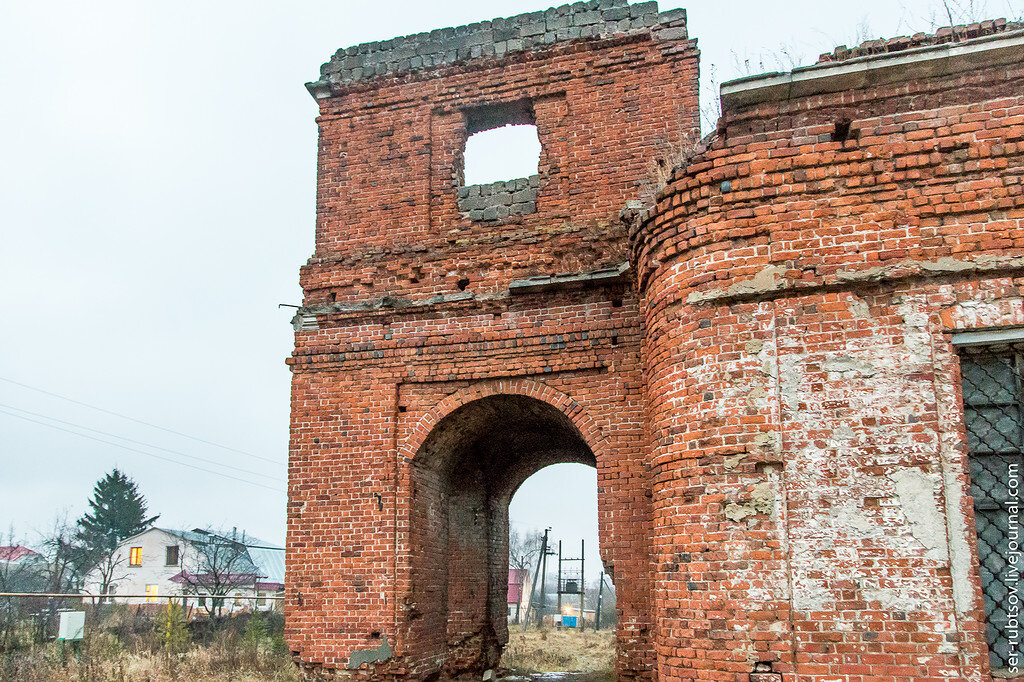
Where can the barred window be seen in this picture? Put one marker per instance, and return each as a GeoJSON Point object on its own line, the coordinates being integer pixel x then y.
{"type": "Point", "coordinates": [993, 411]}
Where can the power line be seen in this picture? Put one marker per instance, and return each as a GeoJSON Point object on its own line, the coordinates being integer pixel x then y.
{"type": "Point", "coordinates": [139, 442]}
{"type": "Point", "coordinates": [141, 452]}
{"type": "Point", "coordinates": [137, 421]}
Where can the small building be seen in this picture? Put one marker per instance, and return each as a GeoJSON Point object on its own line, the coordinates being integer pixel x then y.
{"type": "Point", "coordinates": [22, 569]}
{"type": "Point", "coordinates": [518, 600]}
{"type": "Point", "coordinates": [162, 562]}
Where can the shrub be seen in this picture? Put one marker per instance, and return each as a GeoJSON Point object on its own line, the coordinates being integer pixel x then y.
{"type": "Point", "coordinates": [172, 630]}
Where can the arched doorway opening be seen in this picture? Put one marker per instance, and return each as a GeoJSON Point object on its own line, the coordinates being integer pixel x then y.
{"type": "Point", "coordinates": [463, 478]}
{"type": "Point", "coordinates": [555, 626]}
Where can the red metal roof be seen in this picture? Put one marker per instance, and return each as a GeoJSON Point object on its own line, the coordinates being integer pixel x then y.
{"type": "Point", "coordinates": [15, 552]}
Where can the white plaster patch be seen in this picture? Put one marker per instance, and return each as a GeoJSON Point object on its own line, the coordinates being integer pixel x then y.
{"type": "Point", "coordinates": [916, 491]}
{"type": "Point", "coordinates": [808, 595]}
{"type": "Point", "coordinates": [859, 307]}
{"type": "Point", "coordinates": [846, 365]}
{"type": "Point", "coordinates": [849, 517]}
{"type": "Point", "coordinates": [891, 598]}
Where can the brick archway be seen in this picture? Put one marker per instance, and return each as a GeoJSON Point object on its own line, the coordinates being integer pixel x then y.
{"type": "Point", "coordinates": [572, 409]}
{"type": "Point", "coordinates": [468, 457]}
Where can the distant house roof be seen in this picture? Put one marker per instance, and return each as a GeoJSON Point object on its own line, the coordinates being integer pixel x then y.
{"type": "Point", "coordinates": [266, 560]}
{"type": "Point", "coordinates": [516, 580]}
{"type": "Point", "coordinates": [15, 553]}
{"type": "Point", "coordinates": [270, 563]}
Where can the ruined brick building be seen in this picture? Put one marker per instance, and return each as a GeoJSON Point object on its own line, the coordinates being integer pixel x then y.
{"type": "Point", "coordinates": [790, 350]}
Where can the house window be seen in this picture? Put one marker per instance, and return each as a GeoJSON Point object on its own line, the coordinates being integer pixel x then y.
{"type": "Point", "coordinates": [172, 555]}
{"type": "Point", "coordinates": [994, 416]}
{"type": "Point", "coordinates": [135, 556]}
{"type": "Point", "coordinates": [151, 592]}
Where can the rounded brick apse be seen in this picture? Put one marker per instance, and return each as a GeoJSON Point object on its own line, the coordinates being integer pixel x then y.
{"type": "Point", "coordinates": [756, 338]}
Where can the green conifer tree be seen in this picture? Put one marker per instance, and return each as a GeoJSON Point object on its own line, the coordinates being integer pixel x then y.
{"type": "Point", "coordinates": [117, 511]}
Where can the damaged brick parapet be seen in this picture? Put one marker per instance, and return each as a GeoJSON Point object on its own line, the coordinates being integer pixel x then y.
{"type": "Point", "coordinates": [499, 200]}
{"type": "Point", "coordinates": [498, 38]}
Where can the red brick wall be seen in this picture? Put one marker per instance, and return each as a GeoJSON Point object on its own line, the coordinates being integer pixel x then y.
{"type": "Point", "coordinates": [811, 516]}
{"type": "Point", "coordinates": [772, 402]}
{"type": "Point", "coordinates": [385, 542]}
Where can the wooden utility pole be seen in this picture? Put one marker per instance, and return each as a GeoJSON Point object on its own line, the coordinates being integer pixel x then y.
{"type": "Point", "coordinates": [541, 568]}
{"type": "Point", "coordinates": [583, 585]}
{"type": "Point", "coordinates": [559, 578]}
{"type": "Point", "coordinates": [600, 592]}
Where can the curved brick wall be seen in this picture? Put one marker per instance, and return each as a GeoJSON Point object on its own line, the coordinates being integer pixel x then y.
{"type": "Point", "coordinates": [799, 279]}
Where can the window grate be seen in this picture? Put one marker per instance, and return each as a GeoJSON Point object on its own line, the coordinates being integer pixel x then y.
{"type": "Point", "coordinates": [994, 415]}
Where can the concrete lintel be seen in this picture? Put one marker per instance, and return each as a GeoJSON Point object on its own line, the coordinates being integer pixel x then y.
{"type": "Point", "coordinates": [861, 72]}
{"type": "Point", "coordinates": [985, 337]}
{"type": "Point", "coordinates": [570, 281]}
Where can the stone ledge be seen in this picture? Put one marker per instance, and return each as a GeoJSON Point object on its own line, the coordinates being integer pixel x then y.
{"type": "Point", "coordinates": [496, 38]}
{"type": "Point", "coordinates": [499, 200]}
{"type": "Point", "coordinates": [617, 274]}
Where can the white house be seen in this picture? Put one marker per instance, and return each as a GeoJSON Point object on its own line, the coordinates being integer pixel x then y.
{"type": "Point", "coordinates": [163, 562]}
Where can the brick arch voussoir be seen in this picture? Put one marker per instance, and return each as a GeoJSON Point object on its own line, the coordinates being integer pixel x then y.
{"type": "Point", "coordinates": [568, 406]}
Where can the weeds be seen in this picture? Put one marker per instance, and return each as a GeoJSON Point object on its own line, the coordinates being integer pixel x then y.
{"type": "Point", "coordinates": [550, 650]}
{"type": "Point", "coordinates": [124, 644]}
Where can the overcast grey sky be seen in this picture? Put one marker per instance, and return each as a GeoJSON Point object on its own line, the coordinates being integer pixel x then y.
{"type": "Point", "coordinates": [157, 167]}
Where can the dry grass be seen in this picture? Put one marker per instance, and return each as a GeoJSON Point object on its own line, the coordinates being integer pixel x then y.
{"type": "Point", "coordinates": [106, 657]}
{"type": "Point", "coordinates": [197, 664]}
{"type": "Point", "coordinates": [553, 650]}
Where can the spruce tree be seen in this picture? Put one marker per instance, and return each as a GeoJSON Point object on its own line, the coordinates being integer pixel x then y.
{"type": "Point", "coordinates": [117, 511]}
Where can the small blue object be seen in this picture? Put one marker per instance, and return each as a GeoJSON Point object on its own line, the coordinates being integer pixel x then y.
{"type": "Point", "coordinates": [568, 621]}
{"type": "Point", "coordinates": [726, 186]}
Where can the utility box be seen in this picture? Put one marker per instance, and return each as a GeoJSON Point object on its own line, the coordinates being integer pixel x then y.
{"type": "Point", "coordinates": [71, 626]}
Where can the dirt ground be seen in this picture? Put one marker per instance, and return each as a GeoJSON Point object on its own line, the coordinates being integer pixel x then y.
{"type": "Point", "coordinates": [550, 650]}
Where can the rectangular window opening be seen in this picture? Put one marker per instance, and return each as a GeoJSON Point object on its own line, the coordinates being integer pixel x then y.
{"type": "Point", "coordinates": [172, 555]}
{"type": "Point", "coordinates": [135, 556]}
{"type": "Point", "coordinates": [992, 380]}
{"type": "Point", "coordinates": [151, 592]}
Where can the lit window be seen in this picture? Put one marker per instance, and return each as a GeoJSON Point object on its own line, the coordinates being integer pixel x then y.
{"type": "Point", "coordinates": [135, 556]}
{"type": "Point", "coordinates": [172, 555]}
{"type": "Point", "coordinates": [151, 591]}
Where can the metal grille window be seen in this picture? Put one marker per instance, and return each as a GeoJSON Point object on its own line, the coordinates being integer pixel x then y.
{"type": "Point", "coordinates": [994, 414]}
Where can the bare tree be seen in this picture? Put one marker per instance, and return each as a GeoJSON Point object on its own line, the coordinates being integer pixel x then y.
{"type": "Point", "coordinates": [609, 616]}
{"type": "Point", "coordinates": [108, 568]}
{"type": "Point", "coordinates": [523, 548]}
{"type": "Point", "coordinates": [67, 559]}
{"type": "Point", "coordinates": [215, 564]}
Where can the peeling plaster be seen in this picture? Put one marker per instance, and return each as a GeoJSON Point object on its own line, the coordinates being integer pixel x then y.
{"type": "Point", "coordinates": [808, 594]}
{"type": "Point", "coordinates": [762, 501]}
{"type": "Point", "coordinates": [378, 655]}
{"type": "Point", "coordinates": [916, 491]}
{"type": "Point", "coordinates": [849, 516]}
{"type": "Point", "coordinates": [859, 307]}
{"type": "Point", "coordinates": [844, 364]}
{"type": "Point", "coordinates": [733, 462]}
{"type": "Point", "coordinates": [771, 278]}
{"type": "Point", "coordinates": [939, 266]}
{"type": "Point", "coordinates": [891, 598]}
